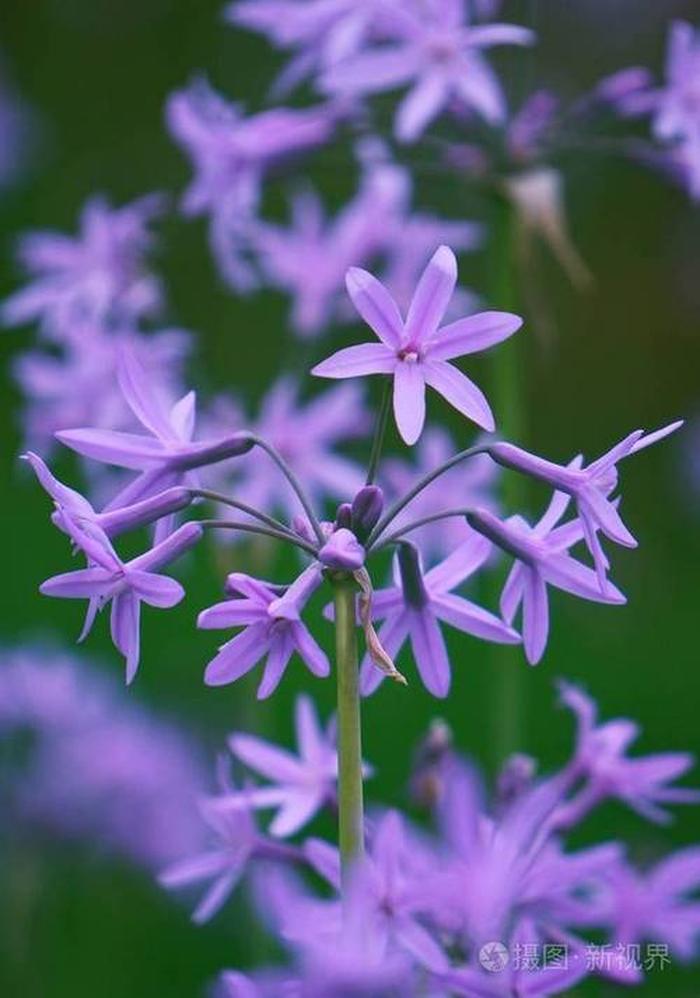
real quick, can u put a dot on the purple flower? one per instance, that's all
(386, 893)
(309, 259)
(469, 484)
(264, 635)
(677, 112)
(495, 871)
(307, 434)
(416, 351)
(439, 56)
(600, 761)
(415, 605)
(80, 388)
(98, 276)
(224, 865)
(98, 767)
(332, 955)
(589, 486)
(659, 905)
(167, 454)
(542, 559)
(125, 584)
(231, 154)
(300, 785)
(324, 31)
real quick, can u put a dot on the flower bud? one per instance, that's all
(343, 516)
(367, 507)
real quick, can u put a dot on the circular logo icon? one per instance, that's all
(493, 957)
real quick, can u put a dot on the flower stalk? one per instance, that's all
(350, 802)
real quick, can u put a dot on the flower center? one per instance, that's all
(410, 355)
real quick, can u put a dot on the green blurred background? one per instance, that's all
(625, 354)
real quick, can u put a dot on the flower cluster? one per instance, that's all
(398, 545)
(412, 353)
(424, 908)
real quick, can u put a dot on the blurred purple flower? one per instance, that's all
(334, 955)
(79, 387)
(231, 154)
(264, 635)
(496, 871)
(469, 484)
(417, 603)
(310, 258)
(96, 277)
(307, 435)
(301, 785)
(439, 55)
(601, 764)
(542, 559)
(416, 351)
(168, 454)
(659, 905)
(100, 769)
(323, 31)
(236, 841)
(386, 894)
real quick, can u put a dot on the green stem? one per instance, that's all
(508, 688)
(379, 432)
(350, 805)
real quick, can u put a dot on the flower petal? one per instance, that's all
(429, 652)
(141, 395)
(420, 106)
(431, 297)
(156, 590)
(125, 450)
(457, 389)
(237, 656)
(262, 757)
(535, 616)
(124, 622)
(357, 361)
(82, 584)
(375, 305)
(409, 400)
(472, 334)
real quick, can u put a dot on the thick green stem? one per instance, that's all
(350, 805)
(508, 707)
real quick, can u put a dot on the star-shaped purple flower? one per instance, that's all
(590, 487)
(125, 585)
(264, 635)
(415, 606)
(601, 762)
(542, 559)
(98, 276)
(438, 53)
(416, 351)
(236, 842)
(300, 784)
(166, 454)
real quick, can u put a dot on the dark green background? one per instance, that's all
(625, 354)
